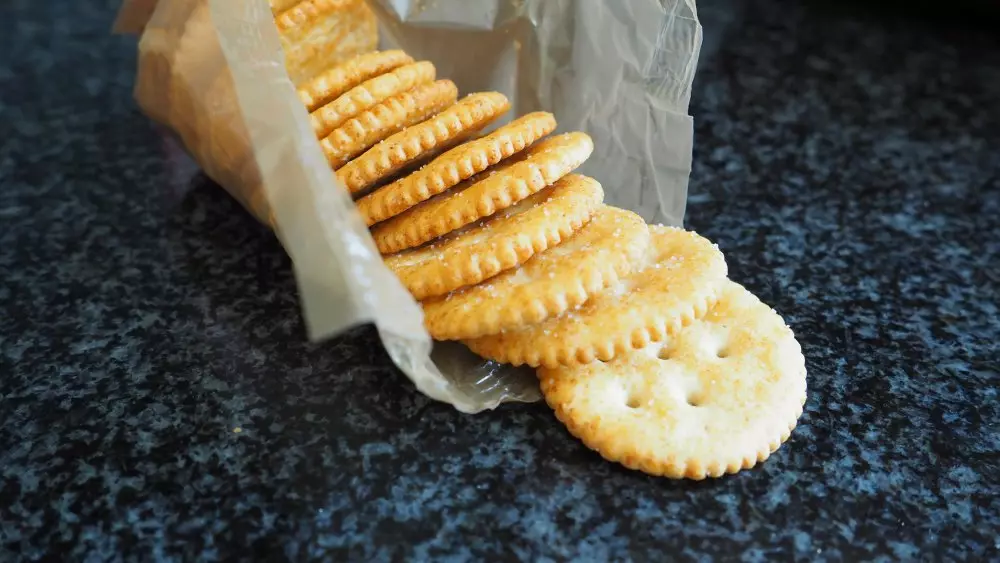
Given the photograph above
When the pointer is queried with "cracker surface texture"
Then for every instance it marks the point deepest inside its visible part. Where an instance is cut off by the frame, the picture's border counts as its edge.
(609, 247)
(386, 118)
(441, 132)
(368, 94)
(331, 83)
(719, 396)
(485, 194)
(455, 166)
(315, 34)
(679, 284)
(506, 240)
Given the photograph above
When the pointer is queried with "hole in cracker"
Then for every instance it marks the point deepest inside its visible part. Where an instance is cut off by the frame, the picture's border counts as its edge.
(720, 341)
(694, 400)
(633, 399)
(665, 353)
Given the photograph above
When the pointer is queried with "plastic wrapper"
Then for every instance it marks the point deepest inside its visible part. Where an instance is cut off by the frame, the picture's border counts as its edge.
(212, 72)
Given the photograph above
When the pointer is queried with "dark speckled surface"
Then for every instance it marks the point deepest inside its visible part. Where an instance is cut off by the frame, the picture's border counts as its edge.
(846, 164)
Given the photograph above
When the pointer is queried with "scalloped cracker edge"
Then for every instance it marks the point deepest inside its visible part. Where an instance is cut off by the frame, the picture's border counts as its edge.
(309, 11)
(315, 34)
(369, 93)
(455, 166)
(453, 125)
(332, 83)
(609, 247)
(386, 118)
(679, 285)
(504, 241)
(719, 396)
(485, 194)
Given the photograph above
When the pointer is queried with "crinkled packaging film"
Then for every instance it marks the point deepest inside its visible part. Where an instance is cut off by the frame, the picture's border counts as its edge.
(213, 72)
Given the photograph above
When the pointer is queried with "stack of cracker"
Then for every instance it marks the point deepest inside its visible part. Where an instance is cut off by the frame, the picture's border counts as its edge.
(644, 348)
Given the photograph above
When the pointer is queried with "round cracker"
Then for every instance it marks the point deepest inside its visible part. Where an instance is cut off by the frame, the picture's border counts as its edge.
(504, 241)
(455, 166)
(468, 115)
(719, 396)
(485, 194)
(369, 93)
(609, 247)
(331, 84)
(680, 283)
(360, 133)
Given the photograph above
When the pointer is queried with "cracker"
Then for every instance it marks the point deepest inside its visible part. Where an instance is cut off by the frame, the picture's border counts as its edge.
(369, 93)
(386, 118)
(330, 84)
(278, 6)
(305, 12)
(315, 34)
(455, 166)
(680, 283)
(719, 396)
(609, 247)
(484, 194)
(467, 116)
(504, 241)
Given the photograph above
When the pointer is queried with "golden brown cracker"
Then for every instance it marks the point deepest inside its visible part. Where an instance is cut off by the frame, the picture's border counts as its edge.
(508, 239)
(484, 194)
(679, 284)
(609, 247)
(318, 33)
(369, 93)
(455, 166)
(333, 82)
(360, 133)
(720, 395)
(465, 117)
(278, 6)
(305, 12)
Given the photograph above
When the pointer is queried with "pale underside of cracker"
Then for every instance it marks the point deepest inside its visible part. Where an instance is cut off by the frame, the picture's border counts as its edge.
(680, 283)
(719, 396)
(501, 242)
(318, 33)
(368, 94)
(455, 166)
(359, 133)
(333, 82)
(484, 194)
(464, 118)
(610, 246)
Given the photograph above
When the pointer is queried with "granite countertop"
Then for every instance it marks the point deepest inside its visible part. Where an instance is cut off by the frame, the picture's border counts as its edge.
(846, 163)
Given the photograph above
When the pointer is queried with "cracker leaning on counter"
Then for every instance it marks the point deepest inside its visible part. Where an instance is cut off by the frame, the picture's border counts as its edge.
(644, 348)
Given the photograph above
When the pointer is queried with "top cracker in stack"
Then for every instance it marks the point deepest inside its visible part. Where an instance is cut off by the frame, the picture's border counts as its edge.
(644, 348)
(317, 33)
